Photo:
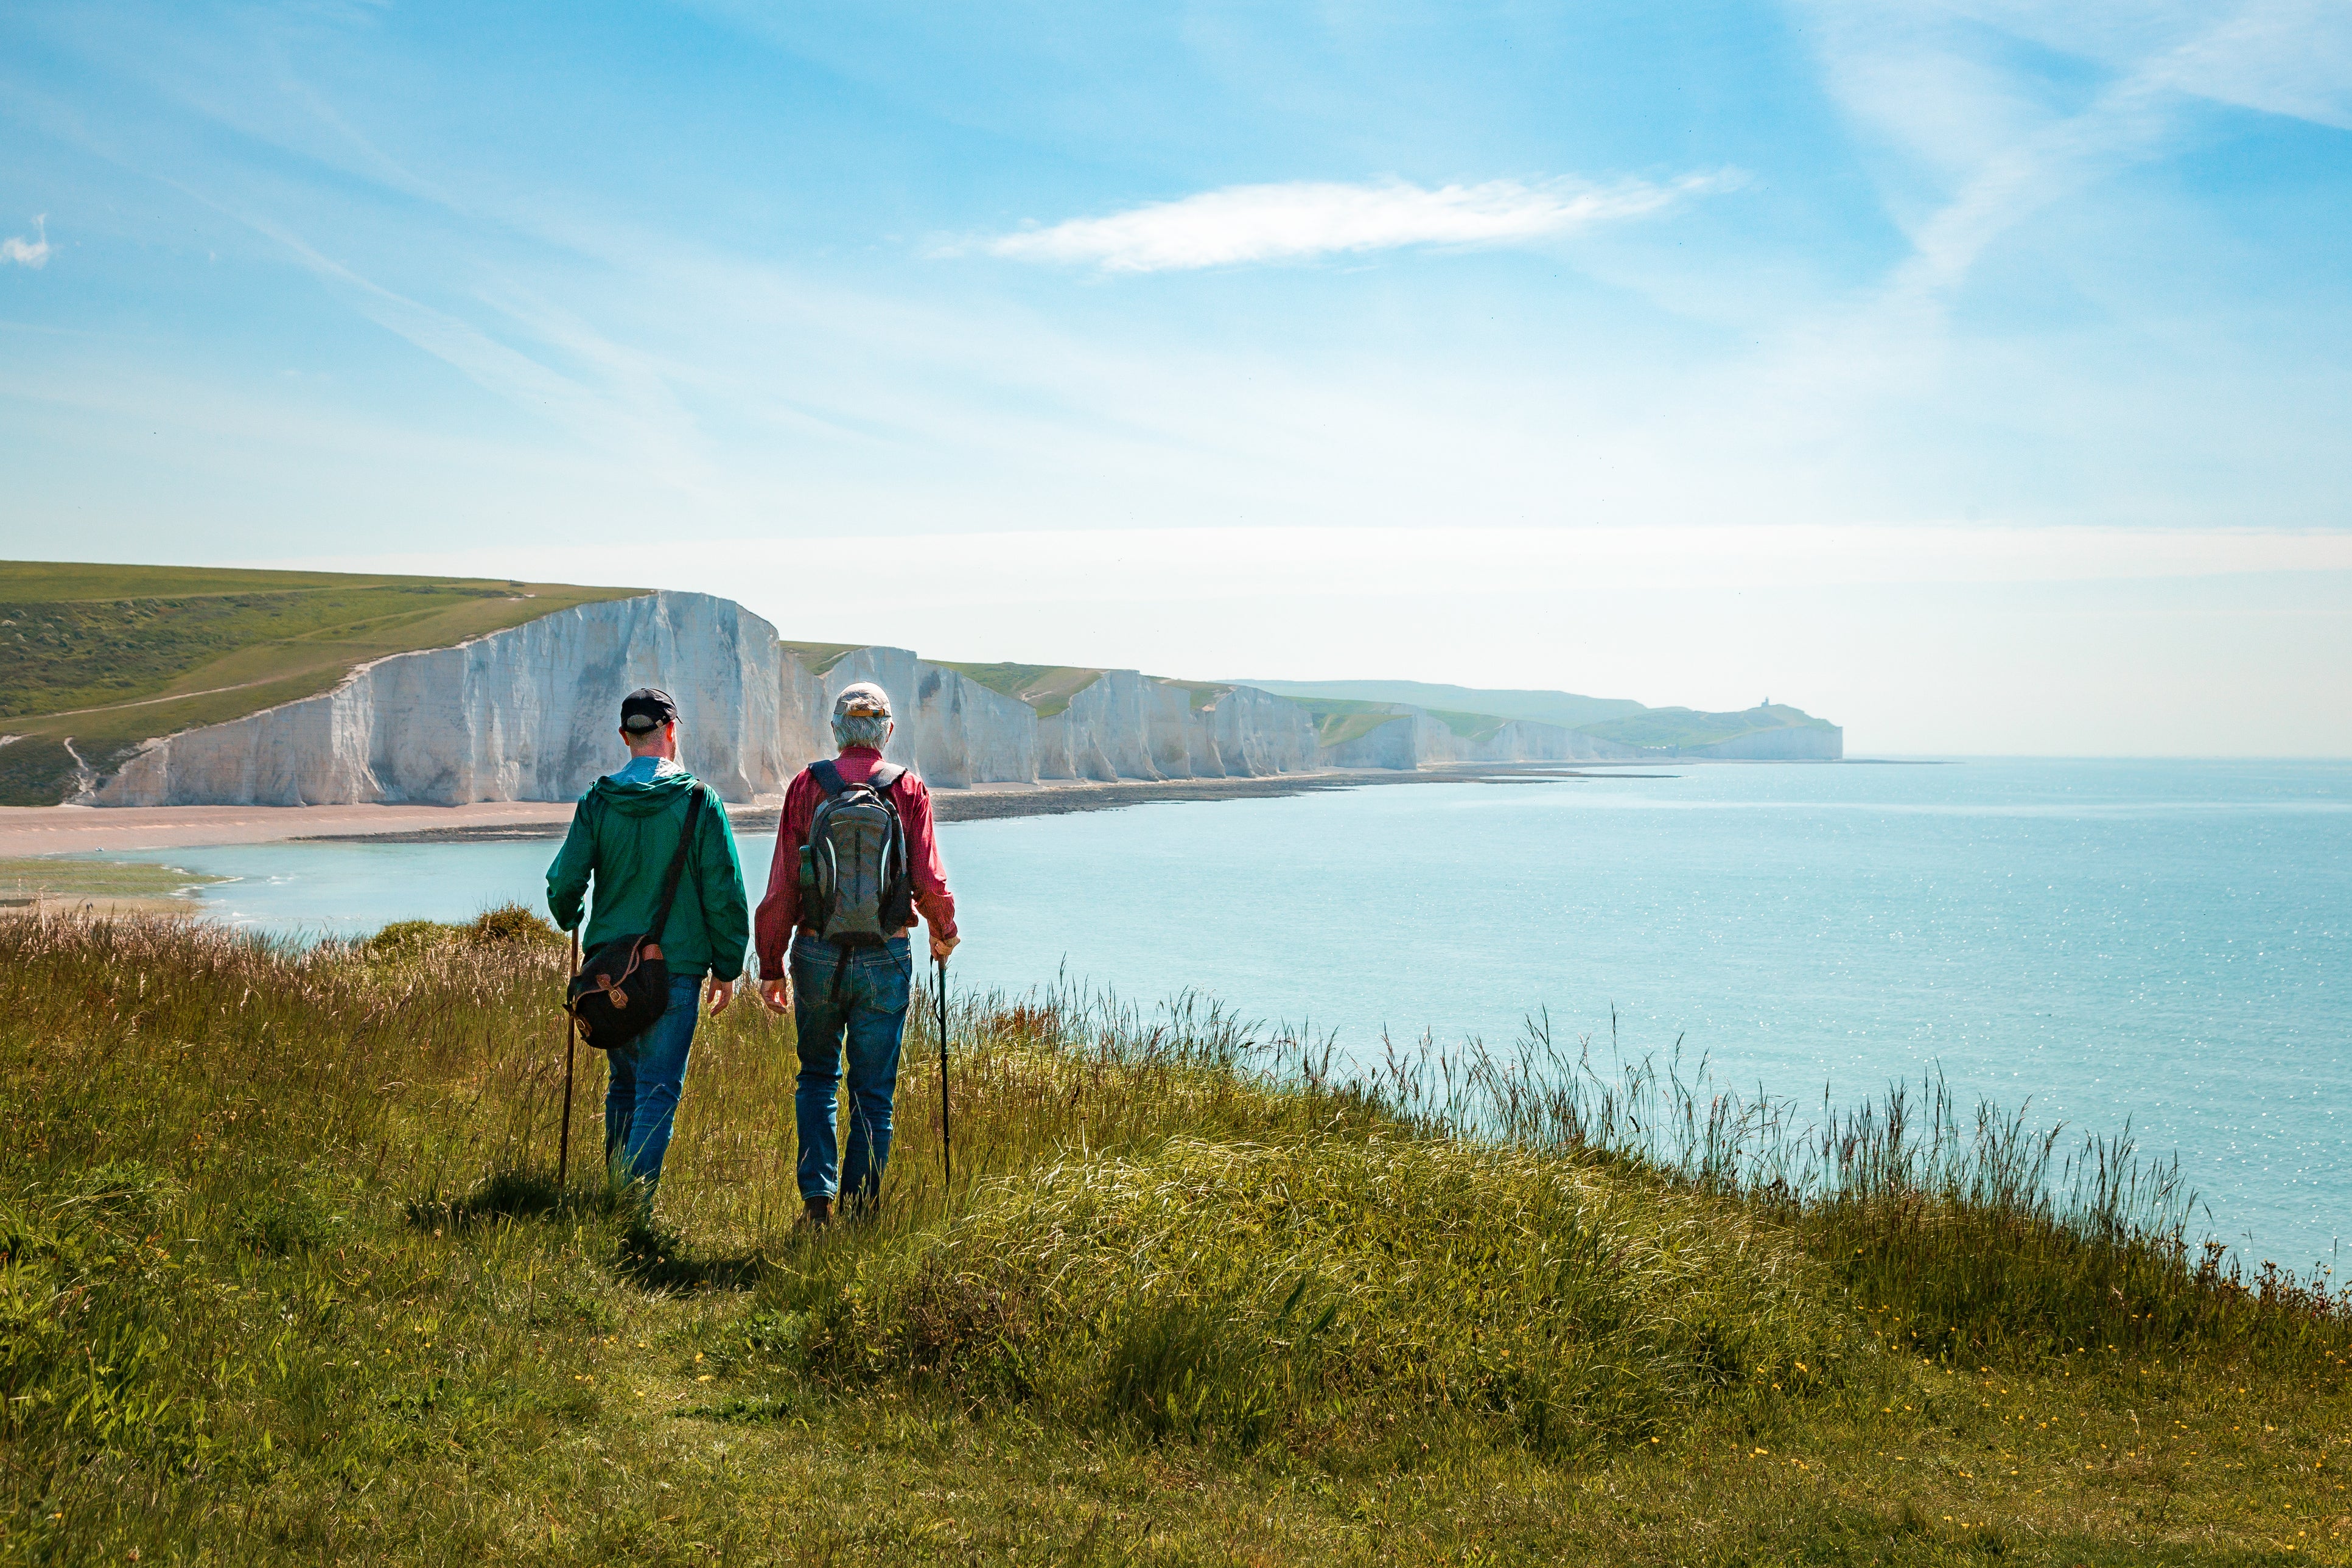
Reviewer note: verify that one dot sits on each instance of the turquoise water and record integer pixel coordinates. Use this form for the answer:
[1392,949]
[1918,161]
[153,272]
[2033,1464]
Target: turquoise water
[2166,941]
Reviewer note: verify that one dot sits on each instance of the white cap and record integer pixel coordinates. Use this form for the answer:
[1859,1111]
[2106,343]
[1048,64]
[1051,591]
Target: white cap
[862,699]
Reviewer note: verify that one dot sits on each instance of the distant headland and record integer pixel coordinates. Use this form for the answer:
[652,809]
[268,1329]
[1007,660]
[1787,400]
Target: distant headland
[187,685]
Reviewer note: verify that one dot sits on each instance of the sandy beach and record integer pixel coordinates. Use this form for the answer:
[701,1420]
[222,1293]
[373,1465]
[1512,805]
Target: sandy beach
[70,829]
[78,829]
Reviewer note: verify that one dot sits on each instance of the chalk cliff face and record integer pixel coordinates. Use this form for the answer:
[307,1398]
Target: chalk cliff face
[1414,740]
[951,730]
[957,732]
[1524,741]
[1806,743]
[1128,725]
[1254,734]
[529,713]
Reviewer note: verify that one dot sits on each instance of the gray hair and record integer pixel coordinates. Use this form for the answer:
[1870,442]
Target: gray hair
[861,729]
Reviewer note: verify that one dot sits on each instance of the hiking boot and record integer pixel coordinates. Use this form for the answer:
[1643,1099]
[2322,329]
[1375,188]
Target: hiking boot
[817,1212]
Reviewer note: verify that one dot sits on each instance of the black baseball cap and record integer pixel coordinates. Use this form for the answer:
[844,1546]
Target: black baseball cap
[647,708]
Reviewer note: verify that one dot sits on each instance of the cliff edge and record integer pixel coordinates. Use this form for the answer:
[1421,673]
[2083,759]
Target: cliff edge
[525,714]
[522,714]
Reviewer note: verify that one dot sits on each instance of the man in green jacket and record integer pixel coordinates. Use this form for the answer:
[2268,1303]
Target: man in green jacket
[624,833]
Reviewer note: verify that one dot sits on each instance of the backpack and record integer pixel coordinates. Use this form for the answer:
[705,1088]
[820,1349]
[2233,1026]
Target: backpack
[856,886]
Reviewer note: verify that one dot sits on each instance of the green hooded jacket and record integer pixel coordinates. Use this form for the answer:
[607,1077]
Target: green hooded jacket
[623,833]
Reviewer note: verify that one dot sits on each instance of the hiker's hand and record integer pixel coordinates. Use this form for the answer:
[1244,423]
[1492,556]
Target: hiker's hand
[777,994]
[722,993]
[941,946]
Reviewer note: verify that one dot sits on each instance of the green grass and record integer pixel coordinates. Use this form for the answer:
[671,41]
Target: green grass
[285,1276]
[821,656]
[98,658]
[1339,720]
[1199,695]
[1669,727]
[1564,708]
[1047,688]
[1468,726]
[28,879]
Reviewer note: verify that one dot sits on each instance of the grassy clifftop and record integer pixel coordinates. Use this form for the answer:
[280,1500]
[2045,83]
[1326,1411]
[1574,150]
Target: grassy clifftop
[1047,688]
[96,658]
[1669,727]
[1472,712]
[285,1276]
[1565,708]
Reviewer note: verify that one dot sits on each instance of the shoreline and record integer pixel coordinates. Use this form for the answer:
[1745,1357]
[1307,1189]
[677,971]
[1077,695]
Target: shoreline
[41,830]
[80,829]
[1059,797]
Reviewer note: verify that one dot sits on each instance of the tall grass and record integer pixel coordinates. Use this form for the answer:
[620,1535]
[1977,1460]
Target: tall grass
[250,1198]
[1970,1232]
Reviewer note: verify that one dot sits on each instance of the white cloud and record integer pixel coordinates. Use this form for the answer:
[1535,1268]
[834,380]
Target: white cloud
[1922,80]
[1302,219]
[32,252]
[2292,57]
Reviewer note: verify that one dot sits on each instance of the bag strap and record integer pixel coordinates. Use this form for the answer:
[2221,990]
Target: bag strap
[827,774]
[884,781]
[676,866]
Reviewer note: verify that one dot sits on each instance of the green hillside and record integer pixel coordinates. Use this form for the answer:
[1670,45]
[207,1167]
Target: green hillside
[821,656]
[1047,688]
[95,658]
[1339,720]
[1469,726]
[75,879]
[1669,727]
[287,1274]
[1344,709]
[1565,708]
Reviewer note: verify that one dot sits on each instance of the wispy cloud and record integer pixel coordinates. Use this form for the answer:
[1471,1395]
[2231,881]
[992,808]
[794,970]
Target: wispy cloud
[33,252]
[1300,219]
[1920,78]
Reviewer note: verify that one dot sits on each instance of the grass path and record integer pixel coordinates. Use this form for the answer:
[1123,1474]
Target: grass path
[151,701]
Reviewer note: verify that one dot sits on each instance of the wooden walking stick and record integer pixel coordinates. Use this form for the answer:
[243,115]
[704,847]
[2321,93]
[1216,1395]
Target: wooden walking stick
[946,1142]
[571,1038]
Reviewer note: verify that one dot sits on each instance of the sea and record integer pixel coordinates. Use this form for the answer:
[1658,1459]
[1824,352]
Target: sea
[2162,944]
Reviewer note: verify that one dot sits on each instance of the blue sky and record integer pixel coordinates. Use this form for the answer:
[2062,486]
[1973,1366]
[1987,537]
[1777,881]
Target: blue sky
[1976,374]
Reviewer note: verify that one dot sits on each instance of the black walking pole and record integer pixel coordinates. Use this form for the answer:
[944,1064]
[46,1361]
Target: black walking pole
[946,1142]
[571,1037]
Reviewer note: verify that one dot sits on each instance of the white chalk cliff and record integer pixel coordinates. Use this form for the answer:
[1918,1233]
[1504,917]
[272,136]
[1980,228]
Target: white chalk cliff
[1414,739]
[529,713]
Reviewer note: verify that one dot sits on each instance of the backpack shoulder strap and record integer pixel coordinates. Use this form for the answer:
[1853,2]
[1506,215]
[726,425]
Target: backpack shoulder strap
[827,774]
[883,777]
[678,865]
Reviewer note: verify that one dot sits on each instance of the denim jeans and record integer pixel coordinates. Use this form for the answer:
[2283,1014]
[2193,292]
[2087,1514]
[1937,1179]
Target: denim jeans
[641,1095]
[869,1017]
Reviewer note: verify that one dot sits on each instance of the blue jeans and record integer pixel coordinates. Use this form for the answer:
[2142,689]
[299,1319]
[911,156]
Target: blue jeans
[641,1095]
[870,1017]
